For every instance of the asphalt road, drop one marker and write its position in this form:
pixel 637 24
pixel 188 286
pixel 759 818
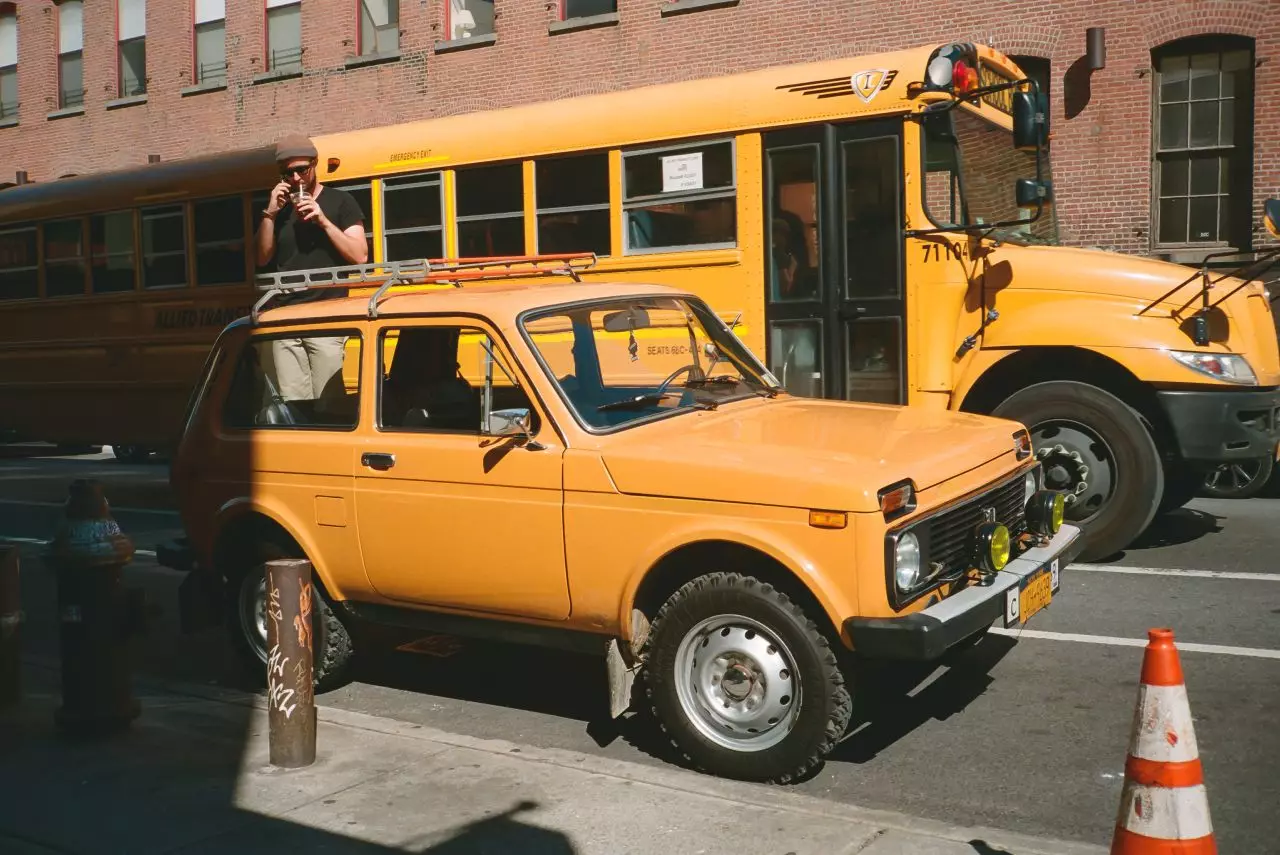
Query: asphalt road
pixel 1024 733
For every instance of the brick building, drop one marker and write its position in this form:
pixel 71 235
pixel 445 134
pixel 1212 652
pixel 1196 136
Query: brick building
pixel 1168 149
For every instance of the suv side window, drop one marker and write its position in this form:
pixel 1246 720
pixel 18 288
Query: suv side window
pixel 434 379
pixel 308 381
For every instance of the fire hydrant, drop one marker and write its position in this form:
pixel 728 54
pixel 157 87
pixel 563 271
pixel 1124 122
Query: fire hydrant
pixel 97 616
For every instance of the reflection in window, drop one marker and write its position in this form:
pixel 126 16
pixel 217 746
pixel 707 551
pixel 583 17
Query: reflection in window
pixel 164 247
pixel 379 26
pixel 872 365
pixel 573 204
pixel 412 217
pixel 307 382
pixel 795 357
pixel 491 210
pixel 795 268
pixel 284 35
pixel 8 61
pixel 64 267
pixel 469 18
pixel 19 263
pixel 872 224
pixel 211 42
pixel 111 252
pixel 680 197
pixel 131 23
pixel 70 54
pixel 220 241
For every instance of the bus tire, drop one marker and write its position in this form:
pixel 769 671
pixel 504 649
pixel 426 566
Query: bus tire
pixel 1084 435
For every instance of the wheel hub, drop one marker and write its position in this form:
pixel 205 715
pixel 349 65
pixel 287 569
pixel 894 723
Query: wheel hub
pixel 1076 462
pixel 737 682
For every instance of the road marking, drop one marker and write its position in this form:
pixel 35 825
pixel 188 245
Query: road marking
pixel 114 509
pixel 1116 641
pixel 1171 571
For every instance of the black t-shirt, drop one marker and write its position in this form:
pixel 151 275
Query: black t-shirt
pixel 304 246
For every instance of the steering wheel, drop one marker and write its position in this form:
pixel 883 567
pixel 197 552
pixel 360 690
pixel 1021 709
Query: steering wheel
pixel 686 369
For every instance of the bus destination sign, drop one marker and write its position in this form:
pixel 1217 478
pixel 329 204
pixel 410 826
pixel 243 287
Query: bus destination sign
pixel 990 76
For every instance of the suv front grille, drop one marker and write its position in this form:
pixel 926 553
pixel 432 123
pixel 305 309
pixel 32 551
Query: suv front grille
pixel 950 533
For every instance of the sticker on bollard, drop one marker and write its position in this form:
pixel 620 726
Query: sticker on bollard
pixel 291 711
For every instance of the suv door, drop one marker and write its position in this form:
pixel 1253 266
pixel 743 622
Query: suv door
pixel 448 516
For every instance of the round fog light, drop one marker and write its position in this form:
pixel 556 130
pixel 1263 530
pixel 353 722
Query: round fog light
pixel 1045 512
pixel 906 562
pixel 993 547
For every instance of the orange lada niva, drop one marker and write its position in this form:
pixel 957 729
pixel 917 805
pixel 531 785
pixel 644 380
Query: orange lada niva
pixel 603 467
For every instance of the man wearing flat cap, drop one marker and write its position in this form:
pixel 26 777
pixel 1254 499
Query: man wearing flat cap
pixel 304 226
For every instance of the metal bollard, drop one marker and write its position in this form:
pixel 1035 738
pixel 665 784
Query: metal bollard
pixel 97 616
pixel 291 710
pixel 10 628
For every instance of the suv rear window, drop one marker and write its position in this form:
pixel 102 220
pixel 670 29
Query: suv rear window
pixel 312 381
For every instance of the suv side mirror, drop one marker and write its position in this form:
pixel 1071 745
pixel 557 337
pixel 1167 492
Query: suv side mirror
pixel 1271 216
pixel 512 422
pixel 1031 193
pixel 1030 120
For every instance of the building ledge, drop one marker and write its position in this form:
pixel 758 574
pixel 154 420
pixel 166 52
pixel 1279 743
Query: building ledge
pixel 130 101
pixel 589 22
pixel 11 122
pixel 680 7
pixel 66 112
pixel 276 75
pixel 464 44
pixel 201 88
pixel 371 59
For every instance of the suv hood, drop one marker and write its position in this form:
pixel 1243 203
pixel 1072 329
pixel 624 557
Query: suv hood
pixel 802 452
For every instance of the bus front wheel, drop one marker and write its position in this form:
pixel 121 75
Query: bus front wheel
pixel 1097 450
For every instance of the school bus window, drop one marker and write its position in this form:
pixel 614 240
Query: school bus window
pixel 111 257
pixel 220 241
pixel 19 264
pixel 412 217
pixel 872 221
pixel 572 196
pixel 680 197
pixel 491 210
pixel 362 192
pixel 796 272
pixel 64 268
pixel 295 383
pixel 164 247
pixel 795 353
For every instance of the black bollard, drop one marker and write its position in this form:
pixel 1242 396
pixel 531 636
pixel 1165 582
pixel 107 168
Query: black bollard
pixel 10 628
pixel 291 711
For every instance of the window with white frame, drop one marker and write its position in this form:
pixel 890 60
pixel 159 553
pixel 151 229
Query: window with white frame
pixel 586 8
pixel 70 54
pixel 1203 130
pixel 131 25
pixel 8 61
pixel 379 27
pixel 211 42
pixel 284 35
pixel 680 197
pixel 469 18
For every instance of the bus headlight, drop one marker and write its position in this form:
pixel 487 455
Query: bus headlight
pixel 906 562
pixel 1046 511
pixel 992 547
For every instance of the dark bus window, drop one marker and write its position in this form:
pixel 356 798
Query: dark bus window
pixel 412 217
pixel 164 247
pixel 491 210
pixel 111 252
pixel 362 192
pixel 573 204
pixel 64 269
pixel 678 198
pixel 19 264
pixel 220 241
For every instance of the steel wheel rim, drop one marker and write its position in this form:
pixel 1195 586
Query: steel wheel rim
pixel 737 683
pixel 1077 461
pixel 253 614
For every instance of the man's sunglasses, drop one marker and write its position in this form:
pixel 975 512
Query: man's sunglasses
pixel 295 170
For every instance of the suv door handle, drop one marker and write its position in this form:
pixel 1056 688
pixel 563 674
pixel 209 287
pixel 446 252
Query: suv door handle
pixel 378 460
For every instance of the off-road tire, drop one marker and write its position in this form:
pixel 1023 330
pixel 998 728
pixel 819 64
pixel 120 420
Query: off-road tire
pixel 825 701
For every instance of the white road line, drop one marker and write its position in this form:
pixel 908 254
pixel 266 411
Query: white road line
pixel 1172 571
pixel 1115 641
pixel 114 508
pixel 34 541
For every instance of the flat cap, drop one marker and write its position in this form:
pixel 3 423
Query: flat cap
pixel 294 145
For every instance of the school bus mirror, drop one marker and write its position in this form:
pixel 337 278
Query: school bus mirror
pixel 631 319
pixel 1271 216
pixel 1030 120
pixel 1031 193
pixel 510 422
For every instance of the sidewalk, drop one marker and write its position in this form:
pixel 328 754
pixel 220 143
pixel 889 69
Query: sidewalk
pixel 192 776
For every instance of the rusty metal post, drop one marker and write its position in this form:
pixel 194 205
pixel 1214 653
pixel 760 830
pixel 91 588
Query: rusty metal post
pixel 10 628
pixel 97 616
pixel 291 710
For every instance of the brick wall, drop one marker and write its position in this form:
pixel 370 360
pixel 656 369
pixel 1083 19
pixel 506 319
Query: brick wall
pixel 1101 145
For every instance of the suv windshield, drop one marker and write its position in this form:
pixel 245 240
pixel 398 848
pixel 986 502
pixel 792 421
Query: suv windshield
pixel 619 362
pixel 970 170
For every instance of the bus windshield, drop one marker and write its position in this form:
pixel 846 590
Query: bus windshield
pixel 970 170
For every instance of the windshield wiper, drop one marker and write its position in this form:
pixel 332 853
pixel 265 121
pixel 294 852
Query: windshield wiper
pixel 640 401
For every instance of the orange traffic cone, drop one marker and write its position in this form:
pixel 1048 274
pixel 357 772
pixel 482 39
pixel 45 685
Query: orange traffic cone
pixel 1164 809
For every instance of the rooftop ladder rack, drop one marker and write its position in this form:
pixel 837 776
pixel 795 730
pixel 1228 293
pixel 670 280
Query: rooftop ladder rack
pixel 419 271
pixel 1200 327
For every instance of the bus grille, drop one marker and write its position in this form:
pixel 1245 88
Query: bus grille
pixel 951 540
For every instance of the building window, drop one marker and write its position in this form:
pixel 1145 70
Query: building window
pixel 680 197
pixel 220 241
pixel 491 210
pixel 211 43
pixel 284 35
pixel 412 217
pixel 573 204
pixel 164 247
pixel 70 54
pixel 19 263
pixel 1203 130
pixel 64 268
pixel 379 27
pixel 469 18
pixel 131 22
pixel 586 8
pixel 111 253
pixel 8 61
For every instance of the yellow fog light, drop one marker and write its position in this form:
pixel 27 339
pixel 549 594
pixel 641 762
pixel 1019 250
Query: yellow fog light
pixel 1046 511
pixel 993 547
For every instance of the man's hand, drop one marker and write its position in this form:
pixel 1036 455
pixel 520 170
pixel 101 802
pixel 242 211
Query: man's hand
pixel 279 195
pixel 311 213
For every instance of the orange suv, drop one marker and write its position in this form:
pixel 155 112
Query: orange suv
pixel 603 467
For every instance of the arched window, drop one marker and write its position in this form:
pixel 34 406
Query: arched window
pixel 70 54
pixel 8 61
pixel 1202 124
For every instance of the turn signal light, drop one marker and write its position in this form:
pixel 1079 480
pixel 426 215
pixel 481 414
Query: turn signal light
pixel 964 77
pixel 828 519
pixel 897 499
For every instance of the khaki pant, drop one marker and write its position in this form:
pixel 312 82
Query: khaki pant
pixel 310 369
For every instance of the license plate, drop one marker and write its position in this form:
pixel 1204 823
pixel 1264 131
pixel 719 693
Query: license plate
pixel 1033 594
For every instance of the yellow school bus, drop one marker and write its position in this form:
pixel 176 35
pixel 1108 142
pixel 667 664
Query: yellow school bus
pixel 880 227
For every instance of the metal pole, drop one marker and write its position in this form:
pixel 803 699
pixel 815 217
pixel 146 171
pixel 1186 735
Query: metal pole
pixel 291 711
pixel 10 627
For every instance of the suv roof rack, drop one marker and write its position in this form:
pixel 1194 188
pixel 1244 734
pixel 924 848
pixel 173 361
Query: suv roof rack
pixel 419 271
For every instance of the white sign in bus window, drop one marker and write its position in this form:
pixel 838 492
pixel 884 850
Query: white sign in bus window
pixel 682 172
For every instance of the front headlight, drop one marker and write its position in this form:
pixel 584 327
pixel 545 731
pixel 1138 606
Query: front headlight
pixel 1030 484
pixel 906 562
pixel 993 547
pixel 1228 367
